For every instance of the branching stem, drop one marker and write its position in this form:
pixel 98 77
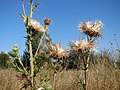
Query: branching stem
pixel 39 45
pixel 23 7
pixel 31 54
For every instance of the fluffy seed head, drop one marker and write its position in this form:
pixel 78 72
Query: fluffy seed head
pixel 91 29
pixel 57 52
pixel 34 24
pixel 81 45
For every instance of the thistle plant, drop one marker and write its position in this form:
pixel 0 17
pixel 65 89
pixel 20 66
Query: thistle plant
pixel 80 50
pixel 57 53
pixel 83 48
pixel 16 59
pixel 44 84
pixel 32 26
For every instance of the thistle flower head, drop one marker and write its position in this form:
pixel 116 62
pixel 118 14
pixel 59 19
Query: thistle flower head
pixel 91 29
pixel 81 45
pixel 34 24
pixel 15 48
pixel 57 52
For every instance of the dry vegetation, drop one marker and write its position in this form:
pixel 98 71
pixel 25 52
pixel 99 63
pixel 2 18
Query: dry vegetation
pixel 100 77
pixel 100 74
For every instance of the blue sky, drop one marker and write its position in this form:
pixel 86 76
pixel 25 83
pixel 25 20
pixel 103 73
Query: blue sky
pixel 65 15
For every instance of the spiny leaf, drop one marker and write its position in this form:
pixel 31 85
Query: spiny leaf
pixel 22 16
pixel 12 54
pixel 35 6
pixel 27 43
pixel 26 24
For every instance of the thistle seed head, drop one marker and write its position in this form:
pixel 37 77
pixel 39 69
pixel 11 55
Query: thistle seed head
pixel 57 52
pixel 34 24
pixel 81 45
pixel 91 29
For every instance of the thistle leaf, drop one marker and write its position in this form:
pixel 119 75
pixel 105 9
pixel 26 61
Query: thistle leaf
pixel 22 16
pixel 12 54
pixel 35 6
pixel 26 24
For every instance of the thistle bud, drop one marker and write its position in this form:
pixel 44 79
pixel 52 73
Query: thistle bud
pixel 47 21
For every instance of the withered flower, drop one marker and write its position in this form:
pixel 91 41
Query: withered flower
pixel 91 29
pixel 57 52
pixel 34 24
pixel 47 21
pixel 57 67
pixel 81 45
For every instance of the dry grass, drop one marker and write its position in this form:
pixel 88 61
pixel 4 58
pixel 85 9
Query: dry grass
pixel 8 81
pixel 99 78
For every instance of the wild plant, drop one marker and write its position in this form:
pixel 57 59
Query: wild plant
pixel 82 50
pixel 32 26
pixel 57 53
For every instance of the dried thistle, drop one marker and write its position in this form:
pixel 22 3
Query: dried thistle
pixel 91 29
pixel 57 67
pixel 33 24
pixel 81 45
pixel 57 52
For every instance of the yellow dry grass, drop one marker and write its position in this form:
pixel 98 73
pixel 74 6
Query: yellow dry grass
pixel 99 78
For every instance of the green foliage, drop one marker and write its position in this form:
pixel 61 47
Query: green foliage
pixel 21 16
pixel 44 84
pixel 14 52
pixel 35 6
pixel 16 60
pixel 36 43
pixel 4 60
pixel 43 47
pixel 47 86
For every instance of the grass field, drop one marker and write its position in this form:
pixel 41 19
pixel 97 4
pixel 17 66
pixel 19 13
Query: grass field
pixel 100 77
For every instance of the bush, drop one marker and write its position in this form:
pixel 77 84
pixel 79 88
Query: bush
pixel 4 60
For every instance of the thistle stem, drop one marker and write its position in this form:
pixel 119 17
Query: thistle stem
pixel 85 81
pixel 22 66
pixel 54 82
pixel 31 11
pixel 31 65
pixel 31 54
pixel 39 45
pixel 86 65
pixel 23 7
